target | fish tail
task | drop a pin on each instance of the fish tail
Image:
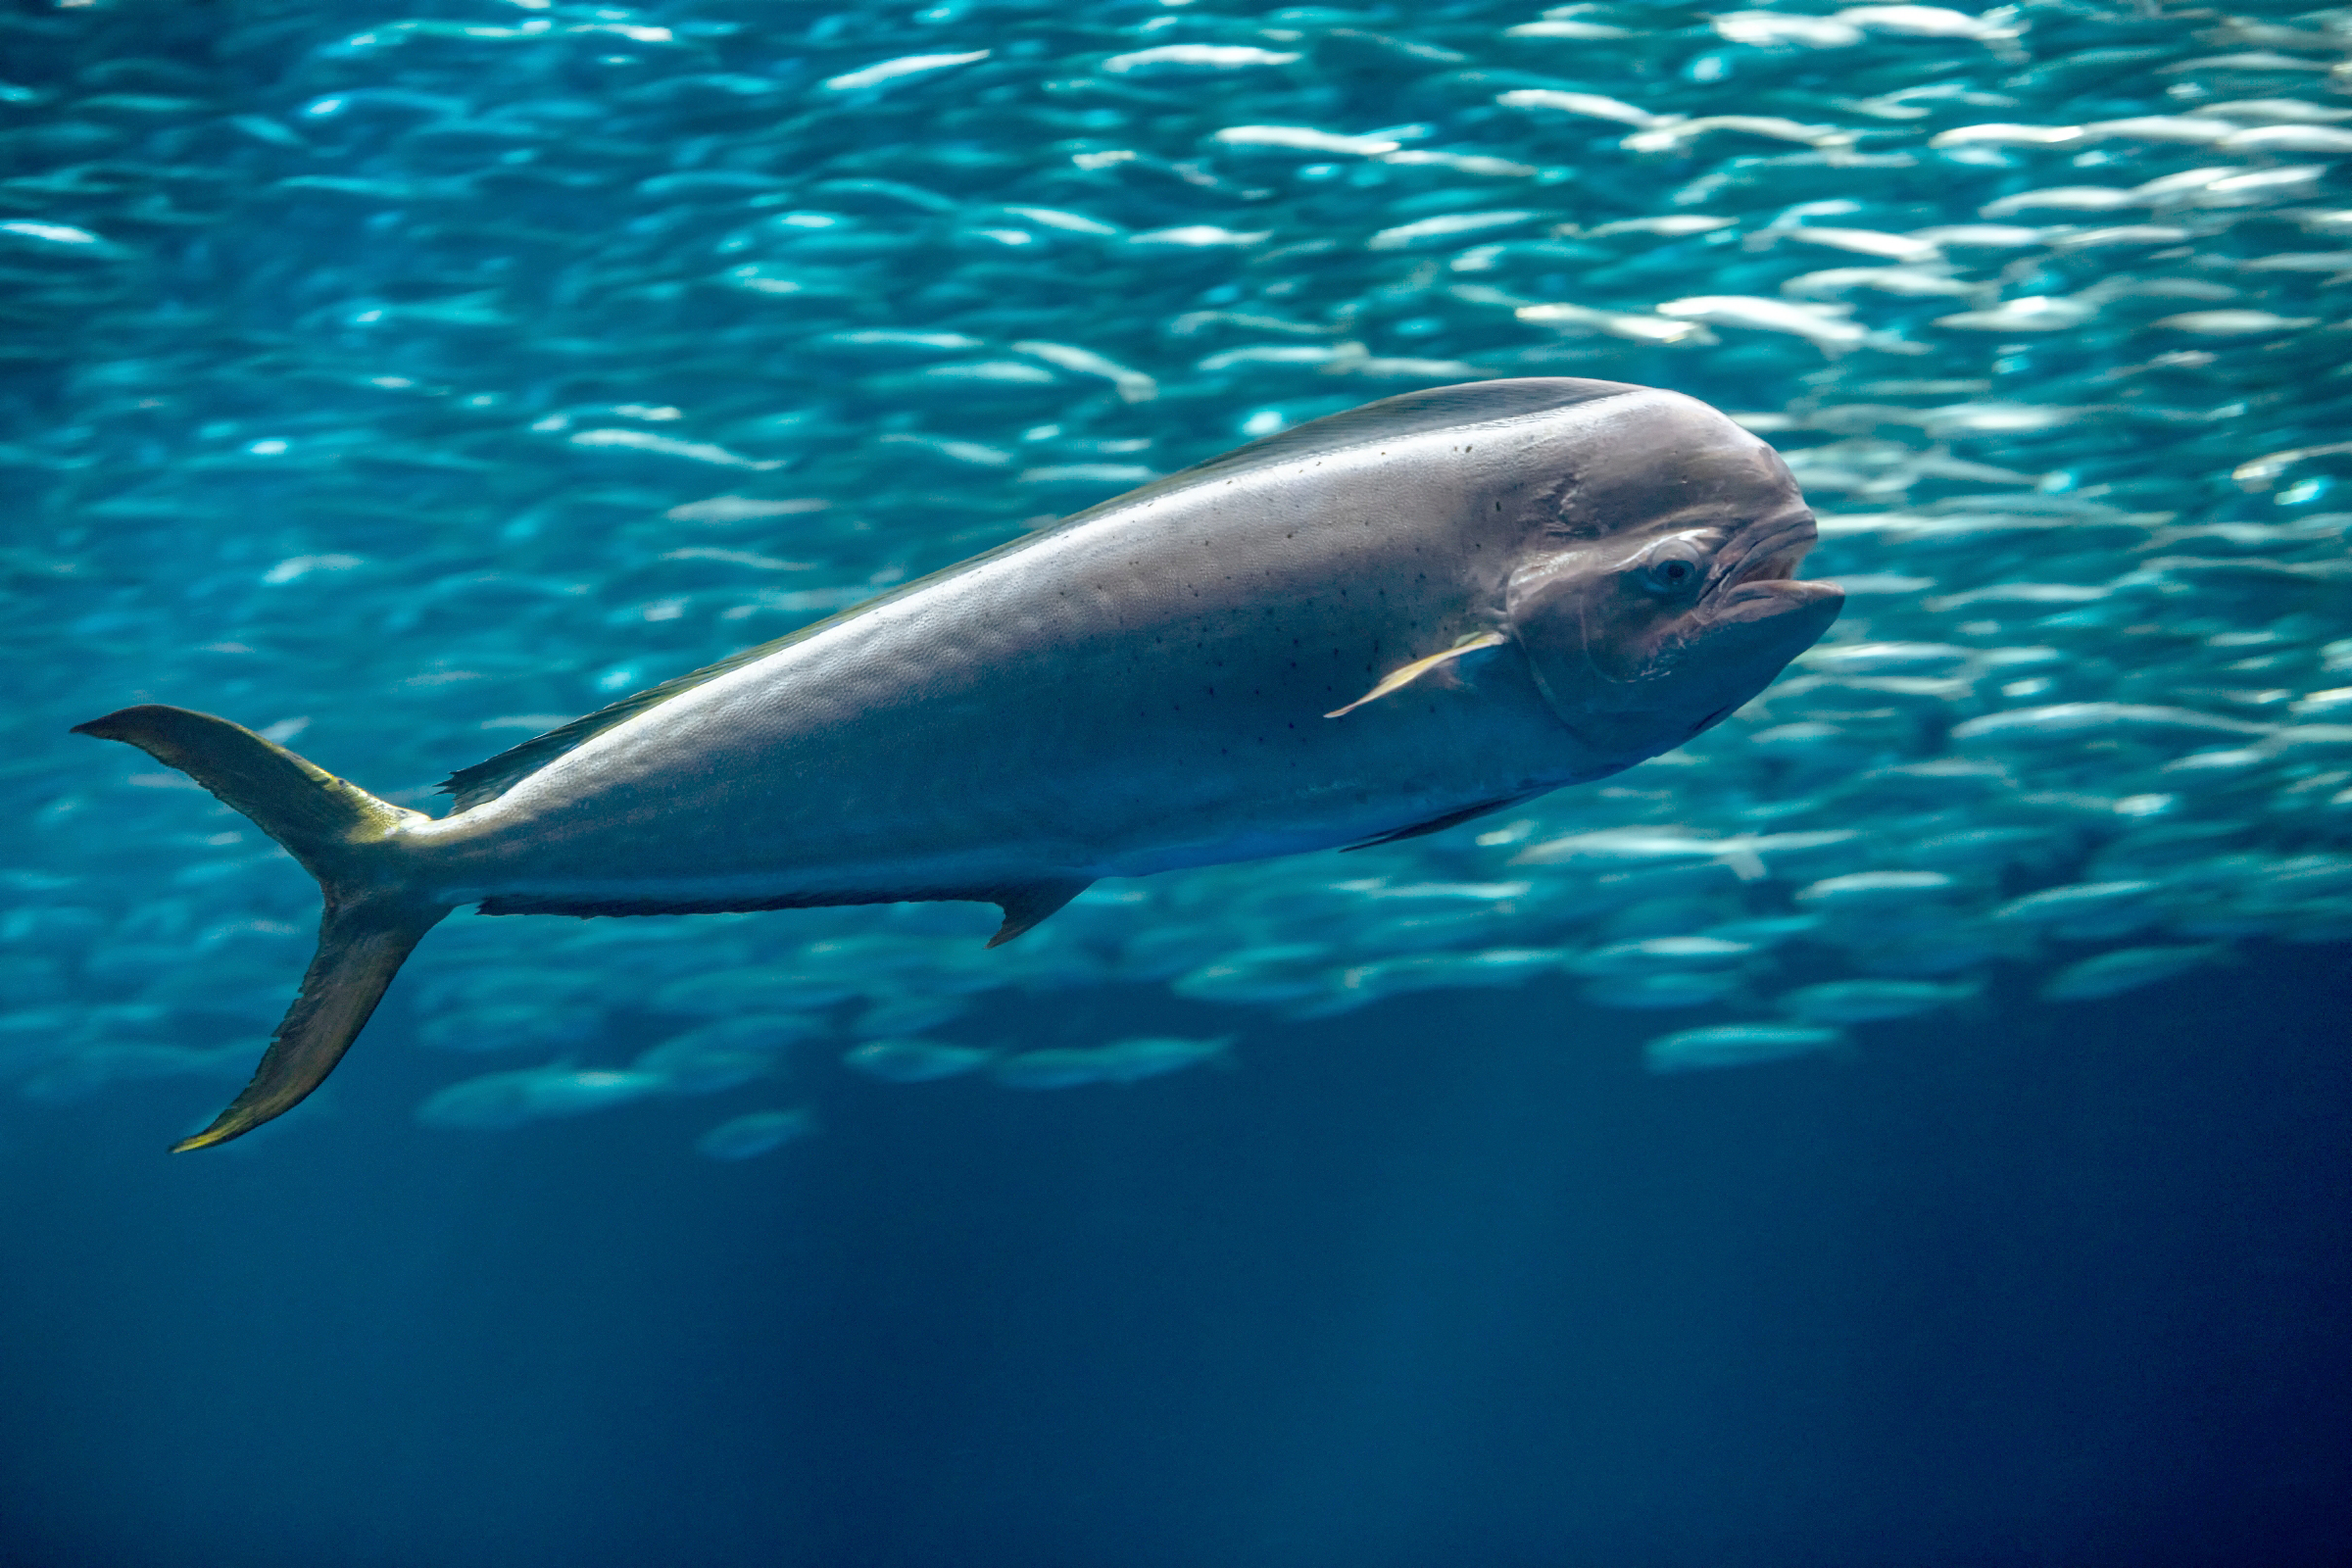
(344, 837)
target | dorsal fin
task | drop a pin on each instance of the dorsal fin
(488, 780)
(1389, 418)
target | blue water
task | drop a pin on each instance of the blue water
(404, 384)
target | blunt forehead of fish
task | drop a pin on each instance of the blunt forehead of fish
(1668, 457)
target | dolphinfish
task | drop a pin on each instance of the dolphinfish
(1372, 627)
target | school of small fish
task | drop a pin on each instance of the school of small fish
(413, 384)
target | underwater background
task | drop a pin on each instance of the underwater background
(1908, 1124)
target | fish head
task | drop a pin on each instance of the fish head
(1658, 590)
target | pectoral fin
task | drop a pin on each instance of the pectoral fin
(1398, 679)
(1024, 906)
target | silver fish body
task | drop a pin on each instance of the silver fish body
(1372, 627)
(1144, 686)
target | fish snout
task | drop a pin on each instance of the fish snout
(1769, 550)
(1756, 581)
(1812, 603)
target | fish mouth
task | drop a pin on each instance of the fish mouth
(1763, 581)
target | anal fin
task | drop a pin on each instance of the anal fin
(1438, 824)
(1027, 904)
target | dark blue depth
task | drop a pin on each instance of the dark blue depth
(1451, 1284)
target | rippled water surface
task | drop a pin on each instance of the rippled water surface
(403, 384)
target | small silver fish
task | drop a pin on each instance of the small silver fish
(1737, 1044)
(1839, 1002)
(1058, 1068)
(1126, 1062)
(914, 1061)
(757, 1133)
(2111, 974)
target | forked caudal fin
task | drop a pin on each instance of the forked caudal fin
(340, 833)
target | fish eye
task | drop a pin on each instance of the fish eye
(1673, 569)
